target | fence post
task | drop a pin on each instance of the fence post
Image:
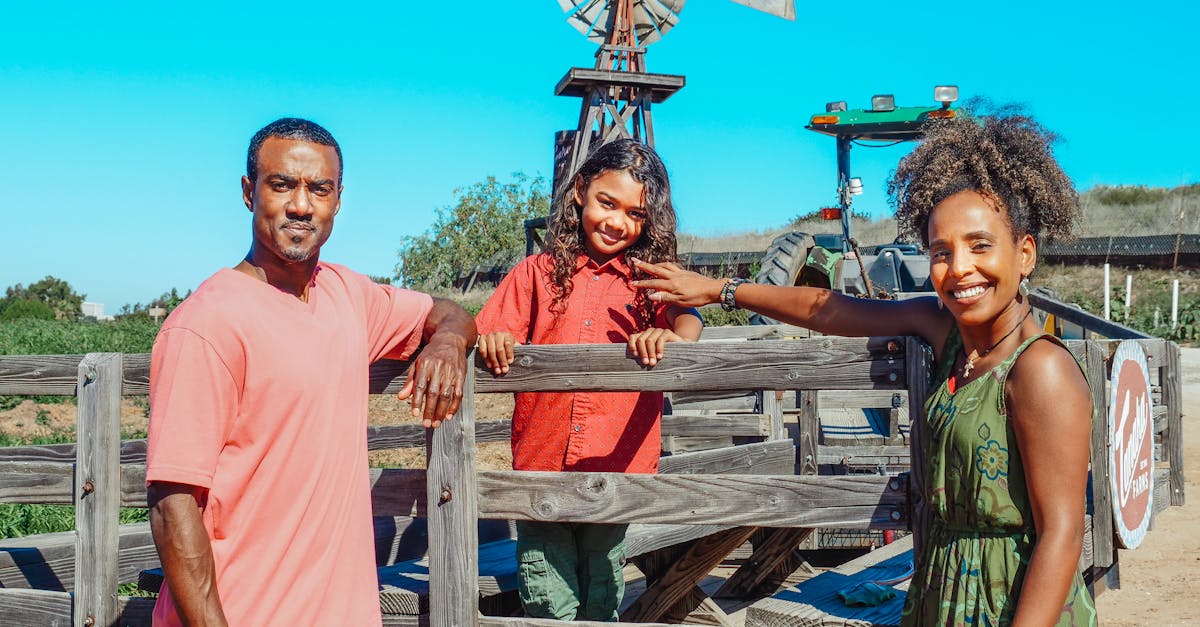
(918, 363)
(1094, 356)
(1171, 381)
(452, 491)
(772, 406)
(97, 488)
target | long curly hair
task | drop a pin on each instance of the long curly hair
(565, 237)
(1003, 154)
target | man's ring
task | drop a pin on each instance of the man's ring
(420, 386)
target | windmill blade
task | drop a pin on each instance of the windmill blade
(782, 8)
(652, 18)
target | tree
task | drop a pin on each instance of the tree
(27, 309)
(486, 225)
(54, 292)
(167, 301)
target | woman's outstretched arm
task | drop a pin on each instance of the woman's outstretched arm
(814, 308)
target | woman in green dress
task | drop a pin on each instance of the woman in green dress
(1007, 429)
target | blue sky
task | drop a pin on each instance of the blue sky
(123, 126)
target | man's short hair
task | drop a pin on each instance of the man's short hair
(290, 128)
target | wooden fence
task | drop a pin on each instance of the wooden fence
(102, 473)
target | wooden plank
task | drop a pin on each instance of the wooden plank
(1172, 437)
(58, 374)
(51, 483)
(1090, 322)
(413, 435)
(772, 553)
(754, 332)
(920, 371)
(855, 502)
(859, 399)
(132, 452)
(98, 489)
(1103, 552)
(760, 458)
(47, 561)
(809, 423)
(452, 495)
(816, 363)
(715, 424)
(505, 621)
(684, 574)
(35, 608)
(700, 400)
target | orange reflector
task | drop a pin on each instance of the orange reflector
(824, 119)
(831, 213)
(944, 114)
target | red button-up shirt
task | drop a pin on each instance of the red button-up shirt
(579, 431)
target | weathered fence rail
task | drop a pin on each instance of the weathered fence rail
(102, 473)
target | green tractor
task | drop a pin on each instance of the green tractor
(834, 260)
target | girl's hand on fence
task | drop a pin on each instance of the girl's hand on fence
(496, 350)
(649, 344)
(673, 284)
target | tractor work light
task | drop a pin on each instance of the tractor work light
(945, 94)
(834, 107)
(831, 213)
(824, 119)
(883, 102)
(855, 185)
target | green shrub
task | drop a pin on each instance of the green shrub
(27, 310)
(66, 337)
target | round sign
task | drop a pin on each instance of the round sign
(1131, 444)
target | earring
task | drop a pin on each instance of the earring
(1023, 287)
(941, 303)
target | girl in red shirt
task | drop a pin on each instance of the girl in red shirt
(618, 205)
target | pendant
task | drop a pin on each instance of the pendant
(967, 367)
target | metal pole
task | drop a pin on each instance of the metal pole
(1128, 294)
(1174, 304)
(1107, 287)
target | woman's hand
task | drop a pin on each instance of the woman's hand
(649, 344)
(673, 284)
(496, 349)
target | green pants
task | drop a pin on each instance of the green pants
(571, 571)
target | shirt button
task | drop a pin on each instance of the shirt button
(587, 323)
(595, 277)
(576, 428)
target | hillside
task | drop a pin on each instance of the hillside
(1107, 210)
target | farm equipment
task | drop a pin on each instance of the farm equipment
(834, 260)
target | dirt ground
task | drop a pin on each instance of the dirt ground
(1158, 580)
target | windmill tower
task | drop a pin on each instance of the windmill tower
(617, 93)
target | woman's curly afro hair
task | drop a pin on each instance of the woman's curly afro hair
(1004, 155)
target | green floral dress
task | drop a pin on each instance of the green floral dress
(981, 535)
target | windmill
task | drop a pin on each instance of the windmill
(617, 93)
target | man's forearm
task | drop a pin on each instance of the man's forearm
(185, 553)
(450, 322)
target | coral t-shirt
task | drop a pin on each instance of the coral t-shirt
(577, 431)
(262, 399)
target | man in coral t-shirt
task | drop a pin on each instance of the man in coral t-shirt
(257, 463)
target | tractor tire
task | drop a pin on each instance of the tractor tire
(782, 264)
